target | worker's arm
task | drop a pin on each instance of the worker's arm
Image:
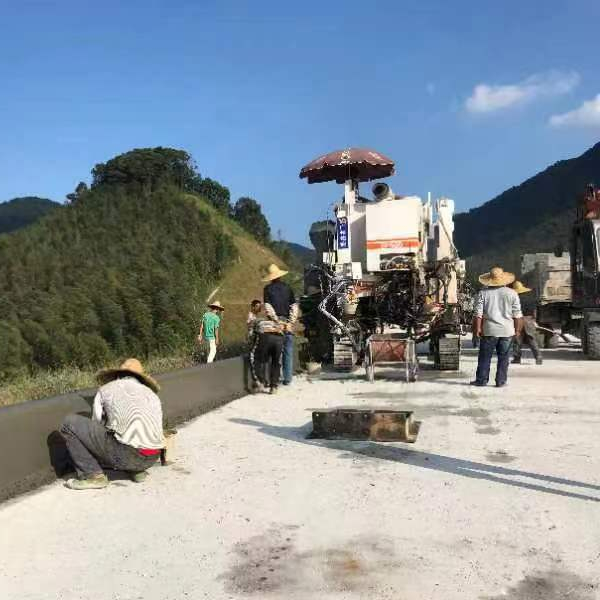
(217, 335)
(98, 409)
(477, 326)
(201, 330)
(293, 314)
(270, 312)
(478, 316)
(517, 315)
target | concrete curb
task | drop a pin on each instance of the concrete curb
(26, 429)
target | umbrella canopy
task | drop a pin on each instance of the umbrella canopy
(360, 164)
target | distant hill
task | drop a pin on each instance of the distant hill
(534, 216)
(21, 212)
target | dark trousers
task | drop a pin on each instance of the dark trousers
(487, 346)
(531, 342)
(92, 447)
(270, 348)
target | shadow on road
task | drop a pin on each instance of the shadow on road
(428, 460)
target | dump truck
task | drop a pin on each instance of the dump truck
(388, 276)
(549, 277)
(567, 285)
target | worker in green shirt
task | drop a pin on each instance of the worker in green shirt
(209, 329)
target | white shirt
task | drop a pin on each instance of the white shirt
(133, 411)
(498, 306)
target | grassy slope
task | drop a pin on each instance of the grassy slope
(240, 285)
(242, 281)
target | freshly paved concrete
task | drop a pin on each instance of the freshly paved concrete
(499, 498)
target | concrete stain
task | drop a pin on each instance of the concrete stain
(549, 585)
(270, 562)
(500, 456)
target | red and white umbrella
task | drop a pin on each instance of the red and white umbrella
(360, 164)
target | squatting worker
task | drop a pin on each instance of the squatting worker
(281, 307)
(529, 329)
(125, 432)
(498, 319)
(209, 329)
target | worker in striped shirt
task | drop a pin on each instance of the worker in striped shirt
(125, 432)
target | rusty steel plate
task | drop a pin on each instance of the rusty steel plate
(377, 424)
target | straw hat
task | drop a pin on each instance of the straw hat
(132, 366)
(274, 273)
(216, 304)
(520, 288)
(497, 277)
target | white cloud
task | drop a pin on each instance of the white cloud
(490, 98)
(587, 115)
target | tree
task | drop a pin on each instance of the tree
(149, 168)
(79, 192)
(248, 213)
(215, 193)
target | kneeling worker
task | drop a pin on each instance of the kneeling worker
(125, 432)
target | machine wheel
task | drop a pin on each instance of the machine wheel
(592, 340)
(369, 366)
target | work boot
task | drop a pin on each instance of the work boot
(539, 361)
(273, 390)
(499, 385)
(477, 384)
(516, 361)
(139, 477)
(93, 482)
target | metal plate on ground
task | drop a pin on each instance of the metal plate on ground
(377, 424)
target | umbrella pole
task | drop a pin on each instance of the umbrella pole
(344, 221)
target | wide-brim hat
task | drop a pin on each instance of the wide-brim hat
(273, 273)
(216, 304)
(520, 288)
(497, 277)
(133, 367)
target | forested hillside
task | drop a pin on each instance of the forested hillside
(125, 267)
(535, 216)
(21, 212)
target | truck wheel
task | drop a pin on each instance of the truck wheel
(592, 335)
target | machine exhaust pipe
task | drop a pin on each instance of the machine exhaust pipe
(382, 191)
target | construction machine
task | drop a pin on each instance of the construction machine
(388, 276)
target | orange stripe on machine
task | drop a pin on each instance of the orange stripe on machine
(394, 243)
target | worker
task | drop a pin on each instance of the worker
(528, 331)
(125, 432)
(497, 320)
(253, 340)
(209, 329)
(280, 306)
(270, 337)
(255, 309)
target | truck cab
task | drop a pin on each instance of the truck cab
(585, 276)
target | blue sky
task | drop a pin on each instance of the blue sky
(469, 98)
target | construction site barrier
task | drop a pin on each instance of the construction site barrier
(28, 431)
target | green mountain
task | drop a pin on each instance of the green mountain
(21, 212)
(126, 268)
(535, 216)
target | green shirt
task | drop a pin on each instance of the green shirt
(210, 322)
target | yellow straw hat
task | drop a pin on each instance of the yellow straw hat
(132, 366)
(216, 304)
(497, 277)
(520, 288)
(274, 273)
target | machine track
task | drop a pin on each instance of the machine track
(448, 354)
(344, 355)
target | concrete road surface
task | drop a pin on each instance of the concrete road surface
(499, 498)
